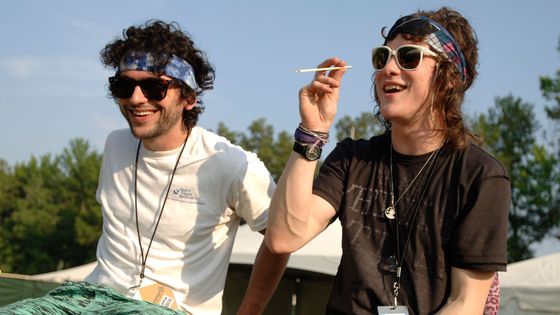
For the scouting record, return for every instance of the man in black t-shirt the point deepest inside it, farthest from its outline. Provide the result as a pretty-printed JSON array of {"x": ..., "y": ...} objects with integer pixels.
[{"x": 423, "y": 208}]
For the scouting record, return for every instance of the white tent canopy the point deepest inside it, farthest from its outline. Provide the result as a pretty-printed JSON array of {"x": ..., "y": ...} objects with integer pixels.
[
  {"x": 531, "y": 287},
  {"x": 321, "y": 255},
  {"x": 78, "y": 273}
]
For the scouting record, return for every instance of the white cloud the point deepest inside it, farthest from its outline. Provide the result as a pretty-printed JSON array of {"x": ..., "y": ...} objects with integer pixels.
[
  {"x": 59, "y": 76},
  {"x": 19, "y": 67},
  {"x": 68, "y": 67}
]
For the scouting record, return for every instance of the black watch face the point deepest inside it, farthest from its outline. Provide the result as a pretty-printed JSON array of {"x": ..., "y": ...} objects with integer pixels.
[{"x": 312, "y": 152}]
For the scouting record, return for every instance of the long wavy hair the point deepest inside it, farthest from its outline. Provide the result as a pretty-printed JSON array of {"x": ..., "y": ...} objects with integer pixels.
[{"x": 447, "y": 92}]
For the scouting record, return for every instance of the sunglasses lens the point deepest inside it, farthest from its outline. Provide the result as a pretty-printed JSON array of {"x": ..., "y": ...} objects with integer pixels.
[
  {"x": 121, "y": 87},
  {"x": 409, "y": 57},
  {"x": 153, "y": 89},
  {"x": 380, "y": 57}
]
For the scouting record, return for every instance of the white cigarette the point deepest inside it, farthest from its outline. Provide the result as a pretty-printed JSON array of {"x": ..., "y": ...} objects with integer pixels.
[{"x": 323, "y": 69}]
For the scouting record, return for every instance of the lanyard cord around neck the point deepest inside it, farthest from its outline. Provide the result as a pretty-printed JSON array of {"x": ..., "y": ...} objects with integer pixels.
[
  {"x": 145, "y": 258},
  {"x": 400, "y": 256},
  {"x": 391, "y": 211}
]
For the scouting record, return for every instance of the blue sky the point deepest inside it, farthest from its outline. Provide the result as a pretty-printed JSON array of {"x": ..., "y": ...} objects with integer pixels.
[{"x": 53, "y": 87}]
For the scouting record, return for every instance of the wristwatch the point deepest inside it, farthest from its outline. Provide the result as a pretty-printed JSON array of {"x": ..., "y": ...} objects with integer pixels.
[{"x": 309, "y": 151}]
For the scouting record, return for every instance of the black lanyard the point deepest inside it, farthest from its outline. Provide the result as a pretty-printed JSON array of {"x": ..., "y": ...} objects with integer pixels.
[
  {"x": 145, "y": 258},
  {"x": 399, "y": 257}
]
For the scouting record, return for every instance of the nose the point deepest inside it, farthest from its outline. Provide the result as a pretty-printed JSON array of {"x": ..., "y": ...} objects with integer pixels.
[
  {"x": 391, "y": 67},
  {"x": 137, "y": 96}
]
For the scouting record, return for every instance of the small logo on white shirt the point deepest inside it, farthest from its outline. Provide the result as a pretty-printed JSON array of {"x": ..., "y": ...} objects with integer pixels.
[{"x": 185, "y": 195}]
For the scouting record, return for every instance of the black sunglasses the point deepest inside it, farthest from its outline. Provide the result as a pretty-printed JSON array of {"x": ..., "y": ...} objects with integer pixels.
[
  {"x": 409, "y": 57},
  {"x": 153, "y": 88}
]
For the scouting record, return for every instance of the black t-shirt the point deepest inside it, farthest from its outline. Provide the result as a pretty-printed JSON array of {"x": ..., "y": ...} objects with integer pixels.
[{"x": 461, "y": 220}]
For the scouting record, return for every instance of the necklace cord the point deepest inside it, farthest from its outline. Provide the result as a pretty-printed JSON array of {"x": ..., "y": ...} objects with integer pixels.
[
  {"x": 394, "y": 203},
  {"x": 415, "y": 213},
  {"x": 399, "y": 258},
  {"x": 145, "y": 258}
]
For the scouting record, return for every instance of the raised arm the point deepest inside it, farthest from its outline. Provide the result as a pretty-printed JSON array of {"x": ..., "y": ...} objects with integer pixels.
[{"x": 296, "y": 215}]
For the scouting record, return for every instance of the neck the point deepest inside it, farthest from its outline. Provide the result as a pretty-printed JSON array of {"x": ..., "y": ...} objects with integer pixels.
[
  {"x": 419, "y": 136},
  {"x": 166, "y": 142},
  {"x": 415, "y": 142}
]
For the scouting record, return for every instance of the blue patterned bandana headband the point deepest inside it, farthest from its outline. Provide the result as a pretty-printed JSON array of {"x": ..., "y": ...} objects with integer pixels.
[
  {"x": 176, "y": 67},
  {"x": 436, "y": 36}
]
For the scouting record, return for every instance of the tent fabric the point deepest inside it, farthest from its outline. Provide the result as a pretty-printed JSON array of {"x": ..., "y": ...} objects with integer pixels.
[
  {"x": 306, "y": 284},
  {"x": 13, "y": 289},
  {"x": 531, "y": 286},
  {"x": 78, "y": 273},
  {"x": 321, "y": 255}
]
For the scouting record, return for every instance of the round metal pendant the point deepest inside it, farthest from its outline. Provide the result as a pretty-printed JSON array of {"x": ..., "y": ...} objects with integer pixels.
[{"x": 390, "y": 213}]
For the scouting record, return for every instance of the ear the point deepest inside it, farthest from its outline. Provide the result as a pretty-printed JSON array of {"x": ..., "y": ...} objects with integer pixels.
[{"x": 189, "y": 102}]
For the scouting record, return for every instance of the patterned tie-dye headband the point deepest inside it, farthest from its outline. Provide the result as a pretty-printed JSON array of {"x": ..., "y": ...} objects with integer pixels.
[
  {"x": 176, "y": 67},
  {"x": 435, "y": 35}
]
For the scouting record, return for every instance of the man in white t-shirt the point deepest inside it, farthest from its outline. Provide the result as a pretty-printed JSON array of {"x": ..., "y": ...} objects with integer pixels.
[{"x": 172, "y": 194}]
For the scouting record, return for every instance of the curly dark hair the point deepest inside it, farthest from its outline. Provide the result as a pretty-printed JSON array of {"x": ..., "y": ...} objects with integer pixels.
[
  {"x": 448, "y": 90},
  {"x": 165, "y": 39}
]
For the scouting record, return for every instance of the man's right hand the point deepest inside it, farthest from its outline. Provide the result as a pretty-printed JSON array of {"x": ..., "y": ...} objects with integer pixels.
[{"x": 318, "y": 100}]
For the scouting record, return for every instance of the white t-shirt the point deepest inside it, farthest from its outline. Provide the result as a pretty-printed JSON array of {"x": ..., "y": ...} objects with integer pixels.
[{"x": 215, "y": 185}]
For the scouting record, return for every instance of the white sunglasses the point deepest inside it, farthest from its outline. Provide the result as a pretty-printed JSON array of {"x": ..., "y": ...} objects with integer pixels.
[{"x": 408, "y": 57}]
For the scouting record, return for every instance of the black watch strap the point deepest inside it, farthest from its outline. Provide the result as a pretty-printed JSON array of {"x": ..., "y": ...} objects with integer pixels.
[{"x": 311, "y": 152}]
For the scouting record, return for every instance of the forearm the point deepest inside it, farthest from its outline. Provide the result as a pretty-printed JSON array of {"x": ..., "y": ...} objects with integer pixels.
[
  {"x": 290, "y": 221},
  {"x": 296, "y": 215},
  {"x": 459, "y": 307},
  {"x": 469, "y": 290},
  {"x": 265, "y": 276}
]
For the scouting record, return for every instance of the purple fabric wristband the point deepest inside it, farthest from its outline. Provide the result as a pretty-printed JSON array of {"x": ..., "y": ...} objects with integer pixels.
[{"x": 307, "y": 138}]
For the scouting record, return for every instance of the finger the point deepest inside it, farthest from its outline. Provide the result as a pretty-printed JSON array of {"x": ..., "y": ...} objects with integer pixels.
[
  {"x": 326, "y": 64},
  {"x": 338, "y": 73},
  {"x": 319, "y": 87},
  {"x": 329, "y": 80}
]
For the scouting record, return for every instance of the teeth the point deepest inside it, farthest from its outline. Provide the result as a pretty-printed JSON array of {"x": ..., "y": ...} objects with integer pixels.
[
  {"x": 393, "y": 88},
  {"x": 143, "y": 113}
]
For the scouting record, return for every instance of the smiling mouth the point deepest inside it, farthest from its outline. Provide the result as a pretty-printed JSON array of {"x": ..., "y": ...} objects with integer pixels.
[
  {"x": 393, "y": 88},
  {"x": 141, "y": 113}
]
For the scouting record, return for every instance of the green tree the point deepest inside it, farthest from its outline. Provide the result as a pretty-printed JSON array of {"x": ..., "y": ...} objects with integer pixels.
[
  {"x": 550, "y": 88},
  {"x": 82, "y": 219},
  {"x": 509, "y": 131},
  {"x": 32, "y": 225},
  {"x": 273, "y": 150},
  {"x": 224, "y": 131},
  {"x": 364, "y": 126},
  {"x": 8, "y": 197},
  {"x": 51, "y": 220}
]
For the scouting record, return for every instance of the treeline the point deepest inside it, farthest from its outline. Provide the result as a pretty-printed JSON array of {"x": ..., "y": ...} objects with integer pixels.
[{"x": 50, "y": 220}]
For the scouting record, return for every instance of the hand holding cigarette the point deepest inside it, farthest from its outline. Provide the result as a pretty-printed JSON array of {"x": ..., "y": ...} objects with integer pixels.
[{"x": 323, "y": 69}]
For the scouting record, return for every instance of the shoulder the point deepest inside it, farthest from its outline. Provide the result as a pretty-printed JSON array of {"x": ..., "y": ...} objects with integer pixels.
[
  {"x": 119, "y": 140},
  {"x": 214, "y": 144},
  {"x": 120, "y": 136},
  {"x": 119, "y": 152},
  {"x": 228, "y": 156},
  {"x": 482, "y": 162},
  {"x": 362, "y": 148}
]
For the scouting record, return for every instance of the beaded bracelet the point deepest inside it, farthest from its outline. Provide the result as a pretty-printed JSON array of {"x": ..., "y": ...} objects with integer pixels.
[
  {"x": 318, "y": 133},
  {"x": 306, "y": 136}
]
